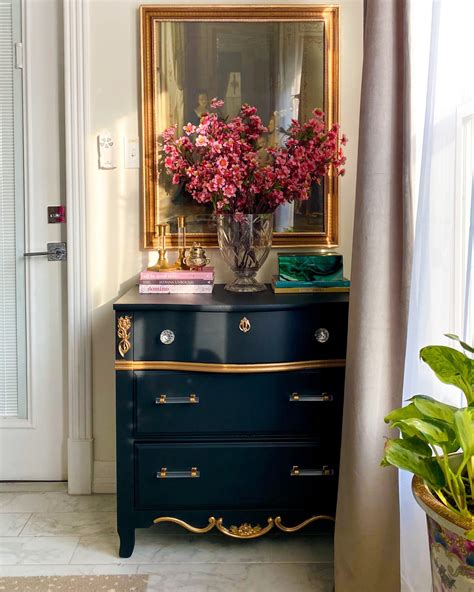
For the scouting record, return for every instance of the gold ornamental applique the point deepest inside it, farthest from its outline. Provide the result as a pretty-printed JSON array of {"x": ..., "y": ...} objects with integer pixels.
[
  {"x": 244, "y": 325},
  {"x": 124, "y": 324}
]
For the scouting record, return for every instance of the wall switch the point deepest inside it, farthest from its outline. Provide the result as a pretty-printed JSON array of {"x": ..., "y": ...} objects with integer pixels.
[
  {"x": 131, "y": 151},
  {"x": 106, "y": 148}
]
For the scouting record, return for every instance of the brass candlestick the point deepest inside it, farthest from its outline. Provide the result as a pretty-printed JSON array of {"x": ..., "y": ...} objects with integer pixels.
[
  {"x": 162, "y": 263},
  {"x": 181, "y": 261}
]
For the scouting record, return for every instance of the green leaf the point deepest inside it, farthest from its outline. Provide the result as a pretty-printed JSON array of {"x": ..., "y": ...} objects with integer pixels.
[
  {"x": 419, "y": 446},
  {"x": 429, "y": 407},
  {"x": 463, "y": 344},
  {"x": 451, "y": 367},
  {"x": 469, "y": 535},
  {"x": 436, "y": 433},
  {"x": 464, "y": 426},
  {"x": 427, "y": 430},
  {"x": 401, "y": 454},
  {"x": 403, "y": 413}
]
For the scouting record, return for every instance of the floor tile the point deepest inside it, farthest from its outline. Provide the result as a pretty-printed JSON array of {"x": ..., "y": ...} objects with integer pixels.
[
  {"x": 20, "y": 486},
  {"x": 56, "y": 501},
  {"x": 36, "y": 550},
  {"x": 170, "y": 549},
  {"x": 12, "y": 524},
  {"x": 240, "y": 578},
  {"x": 70, "y": 524},
  {"x": 65, "y": 570}
]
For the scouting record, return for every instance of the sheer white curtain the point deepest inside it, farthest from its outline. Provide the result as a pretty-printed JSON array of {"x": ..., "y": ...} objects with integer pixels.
[{"x": 441, "y": 300}]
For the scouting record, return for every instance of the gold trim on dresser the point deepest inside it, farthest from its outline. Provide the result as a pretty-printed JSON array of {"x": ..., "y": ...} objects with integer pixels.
[
  {"x": 279, "y": 525},
  {"x": 124, "y": 324},
  {"x": 229, "y": 368},
  {"x": 194, "y": 529},
  {"x": 245, "y": 530}
]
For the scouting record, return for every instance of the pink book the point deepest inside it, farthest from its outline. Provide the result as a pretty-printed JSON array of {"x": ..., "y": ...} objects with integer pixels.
[
  {"x": 205, "y": 274},
  {"x": 175, "y": 289}
]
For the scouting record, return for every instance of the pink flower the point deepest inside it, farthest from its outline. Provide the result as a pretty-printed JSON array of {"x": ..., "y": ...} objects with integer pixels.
[
  {"x": 201, "y": 140},
  {"x": 176, "y": 179},
  {"x": 219, "y": 181},
  {"x": 222, "y": 162},
  {"x": 229, "y": 190},
  {"x": 169, "y": 133},
  {"x": 239, "y": 217},
  {"x": 189, "y": 128},
  {"x": 216, "y": 103},
  {"x": 169, "y": 162}
]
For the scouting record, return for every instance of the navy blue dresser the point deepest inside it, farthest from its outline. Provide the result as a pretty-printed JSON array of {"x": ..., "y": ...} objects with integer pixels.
[{"x": 229, "y": 410}]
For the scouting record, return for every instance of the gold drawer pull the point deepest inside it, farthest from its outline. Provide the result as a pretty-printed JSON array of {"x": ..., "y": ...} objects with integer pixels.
[
  {"x": 296, "y": 397},
  {"x": 324, "y": 472},
  {"x": 165, "y": 400},
  {"x": 165, "y": 474}
]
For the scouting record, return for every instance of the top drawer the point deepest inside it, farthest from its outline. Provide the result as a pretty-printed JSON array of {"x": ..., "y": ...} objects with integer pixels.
[{"x": 253, "y": 337}]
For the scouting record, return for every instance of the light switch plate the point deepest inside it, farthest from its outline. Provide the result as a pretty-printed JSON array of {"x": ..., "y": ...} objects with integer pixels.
[
  {"x": 106, "y": 148},
  {"x": 131, "y": 151}
]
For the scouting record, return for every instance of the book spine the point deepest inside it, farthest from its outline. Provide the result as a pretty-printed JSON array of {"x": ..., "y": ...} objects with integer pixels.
[
  {"x": 180, "y": 282},
  {"x": 309, "y": 290},
  {"x": 177, "y": 275},
  {"x": 316, "y": 284},
  {"x": 175, "y": 289}
]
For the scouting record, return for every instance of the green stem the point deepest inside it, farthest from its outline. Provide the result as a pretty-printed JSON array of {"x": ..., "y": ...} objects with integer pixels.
[
  {"x": 448, "y": 474},
  {"x": 444, "y": 500}
]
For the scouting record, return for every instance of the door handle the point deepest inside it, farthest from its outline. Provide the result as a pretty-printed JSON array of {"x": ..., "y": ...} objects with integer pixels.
[{"x": 55, "y": 252}]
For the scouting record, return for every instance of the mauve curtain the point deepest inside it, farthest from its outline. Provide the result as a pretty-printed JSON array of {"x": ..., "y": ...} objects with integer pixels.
[{"x": 367, "y": 557}]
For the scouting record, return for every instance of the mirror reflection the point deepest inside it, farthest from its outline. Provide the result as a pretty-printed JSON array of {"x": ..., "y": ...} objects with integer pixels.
[{"x": 276, "y": 66}]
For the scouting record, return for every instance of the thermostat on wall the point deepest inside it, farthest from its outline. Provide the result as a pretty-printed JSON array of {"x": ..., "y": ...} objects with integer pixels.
[{"x": 106, "y": 148}]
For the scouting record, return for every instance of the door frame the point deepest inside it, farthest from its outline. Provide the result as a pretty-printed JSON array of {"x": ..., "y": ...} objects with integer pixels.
[{"x": 79, "y": 326}]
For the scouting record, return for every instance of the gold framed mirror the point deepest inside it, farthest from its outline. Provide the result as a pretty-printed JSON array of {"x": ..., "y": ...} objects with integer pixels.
[{"x": 282, "y": 59}]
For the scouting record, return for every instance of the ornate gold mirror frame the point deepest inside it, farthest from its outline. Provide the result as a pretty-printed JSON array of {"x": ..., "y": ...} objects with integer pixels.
[{"x": 155, "y": 30}]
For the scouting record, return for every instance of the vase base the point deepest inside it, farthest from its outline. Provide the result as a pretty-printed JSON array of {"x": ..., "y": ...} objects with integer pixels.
[{"x": 245, "y": 284}]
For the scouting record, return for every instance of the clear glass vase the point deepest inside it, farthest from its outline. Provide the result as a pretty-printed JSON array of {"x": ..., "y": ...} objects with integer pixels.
[{"x": 245, "y": 241}]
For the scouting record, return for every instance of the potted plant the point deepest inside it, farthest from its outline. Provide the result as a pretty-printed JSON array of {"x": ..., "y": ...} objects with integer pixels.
[
  {"x": 232, "y": 164},
  {"x": 436, "y": 444}
]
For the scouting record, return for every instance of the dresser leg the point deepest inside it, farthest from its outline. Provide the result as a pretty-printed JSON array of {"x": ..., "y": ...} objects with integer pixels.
[{"x": 127, "y": 541}]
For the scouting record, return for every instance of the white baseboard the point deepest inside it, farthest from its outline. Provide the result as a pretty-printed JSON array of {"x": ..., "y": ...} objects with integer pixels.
[
  {"x": 79, "y": 466},
  {"x": 104, "y": 477}
]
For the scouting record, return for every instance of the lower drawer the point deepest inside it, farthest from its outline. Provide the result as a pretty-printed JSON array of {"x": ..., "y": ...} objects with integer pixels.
[
  {"x": 235, "y": 475},
  {"x": 179, "y": 403}
]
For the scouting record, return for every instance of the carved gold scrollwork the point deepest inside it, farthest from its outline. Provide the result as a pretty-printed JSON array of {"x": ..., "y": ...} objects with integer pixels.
[
  {"x": 279, "y": 525},
  {"x": 245, "y": 530},
  {"x": 124, "y": 324},
  {"x": 212, "y": 522}
]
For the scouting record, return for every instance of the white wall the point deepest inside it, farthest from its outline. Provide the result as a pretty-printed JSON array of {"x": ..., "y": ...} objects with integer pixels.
[{"x": 114, "y": 211}]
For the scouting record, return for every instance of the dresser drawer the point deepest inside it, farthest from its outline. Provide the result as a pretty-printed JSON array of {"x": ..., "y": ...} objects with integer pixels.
[
  {"x": 241, "y": 338},
  {"x": 178, "y": 403},
  {"x": 237, "y": 475}
]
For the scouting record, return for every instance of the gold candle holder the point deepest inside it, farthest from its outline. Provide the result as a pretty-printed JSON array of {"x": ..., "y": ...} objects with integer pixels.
[
  {"x": 162, "y": 263},
  {"x": 181, "y": 261}
]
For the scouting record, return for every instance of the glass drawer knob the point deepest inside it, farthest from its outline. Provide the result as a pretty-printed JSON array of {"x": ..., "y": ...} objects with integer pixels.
[
  {"x": 321, "y": 335},
  {"x": 167, "y": 337}
]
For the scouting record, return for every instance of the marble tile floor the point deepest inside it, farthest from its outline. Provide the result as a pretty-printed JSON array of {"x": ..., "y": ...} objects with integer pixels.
[{"x": 45, "y": 531}]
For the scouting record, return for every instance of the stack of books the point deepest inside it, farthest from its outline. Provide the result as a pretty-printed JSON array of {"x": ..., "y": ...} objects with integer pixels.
[
  {"x": 177, "y": 282},
  {"x": 309, "y": 272}
]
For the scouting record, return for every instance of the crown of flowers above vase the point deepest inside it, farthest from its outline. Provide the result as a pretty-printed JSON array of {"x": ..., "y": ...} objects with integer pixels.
[{"x": 225, "y": 161}]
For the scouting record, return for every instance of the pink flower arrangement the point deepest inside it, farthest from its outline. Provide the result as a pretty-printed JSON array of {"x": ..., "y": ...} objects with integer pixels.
[{"x": 220, "y": 160}]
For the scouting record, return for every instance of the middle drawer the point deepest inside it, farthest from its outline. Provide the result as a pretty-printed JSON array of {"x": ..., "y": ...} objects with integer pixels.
[{"x": 176, "y": 404}]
